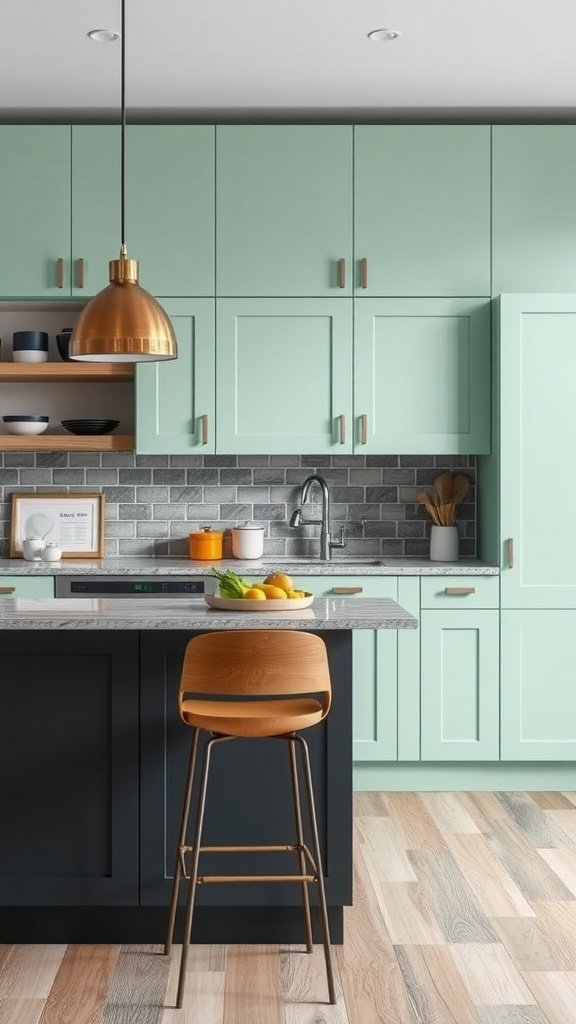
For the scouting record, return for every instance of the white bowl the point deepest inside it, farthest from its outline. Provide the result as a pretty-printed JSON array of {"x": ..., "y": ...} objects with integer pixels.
[
  {"x": 28, "y": 355},
  {"x": 25, "y": 424}
]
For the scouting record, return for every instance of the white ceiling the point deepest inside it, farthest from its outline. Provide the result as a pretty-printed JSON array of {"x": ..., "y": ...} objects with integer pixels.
[{"x": 290, "y": 59}]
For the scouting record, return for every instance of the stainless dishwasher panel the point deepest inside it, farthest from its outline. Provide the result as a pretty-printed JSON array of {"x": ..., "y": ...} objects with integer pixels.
[{"x": 140, "y": 586}]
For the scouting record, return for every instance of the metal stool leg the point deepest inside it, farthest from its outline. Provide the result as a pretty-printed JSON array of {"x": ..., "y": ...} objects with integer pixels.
[
  {"x": 179, "y": 864},
  {"x": 319, "y": 872},
  {"x": 300, "y": 842},
  {"x": 194, "y": 868}
]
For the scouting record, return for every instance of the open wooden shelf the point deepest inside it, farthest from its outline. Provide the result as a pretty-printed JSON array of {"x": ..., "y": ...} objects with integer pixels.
[
  {"x": 79, "y": 372},
  {"x": 67, "y": 443}
]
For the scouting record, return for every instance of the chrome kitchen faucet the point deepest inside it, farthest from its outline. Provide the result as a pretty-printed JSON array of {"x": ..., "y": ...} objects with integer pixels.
[{"x": 298, "y": 519}]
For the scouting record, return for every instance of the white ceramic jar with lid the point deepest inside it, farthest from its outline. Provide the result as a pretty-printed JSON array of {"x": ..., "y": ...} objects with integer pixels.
[{"x": 248, "y": 541}]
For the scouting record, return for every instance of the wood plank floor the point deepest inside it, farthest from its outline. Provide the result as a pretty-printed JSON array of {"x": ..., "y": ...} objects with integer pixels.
[{"x": 465, "y": 913}]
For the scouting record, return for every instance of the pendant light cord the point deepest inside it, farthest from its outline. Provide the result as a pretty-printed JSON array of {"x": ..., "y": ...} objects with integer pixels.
[{"x": 123, "y": 129}]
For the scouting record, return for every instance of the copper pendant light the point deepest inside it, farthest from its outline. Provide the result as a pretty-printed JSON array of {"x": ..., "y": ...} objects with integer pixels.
[{"x": 123, "y": 323}]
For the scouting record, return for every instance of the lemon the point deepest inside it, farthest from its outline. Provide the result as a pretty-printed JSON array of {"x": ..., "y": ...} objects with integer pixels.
[
  {"x": 280, "y": 579},
  {"x": 271, "y": 592},
  {"x": 253, "y": 594}
]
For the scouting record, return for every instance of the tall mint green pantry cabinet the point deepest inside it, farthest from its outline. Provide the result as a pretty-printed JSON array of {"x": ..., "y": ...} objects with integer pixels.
[
  {"x": 60, "y": 208},
  {"x": 537, "y": 352},
  {"x": 533, "y": 208}
]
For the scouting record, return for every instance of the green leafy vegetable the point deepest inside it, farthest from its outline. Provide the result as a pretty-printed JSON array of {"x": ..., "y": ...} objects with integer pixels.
[{"x": 230, "y": 585}]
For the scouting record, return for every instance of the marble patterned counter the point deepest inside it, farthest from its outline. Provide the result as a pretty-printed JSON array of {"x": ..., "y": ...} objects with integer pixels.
[
  {"x": 304, "y": 566},
  {"x": 193, "y": 614}
]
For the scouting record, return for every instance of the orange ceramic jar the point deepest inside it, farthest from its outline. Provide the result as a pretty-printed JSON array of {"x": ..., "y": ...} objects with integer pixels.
[{"x": 205, "y": 544}]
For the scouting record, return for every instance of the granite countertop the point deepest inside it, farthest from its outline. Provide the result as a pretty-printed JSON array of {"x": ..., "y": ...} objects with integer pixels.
[
  {"x": 194, "y": 614},
  {"x": 257, "y": 567}
]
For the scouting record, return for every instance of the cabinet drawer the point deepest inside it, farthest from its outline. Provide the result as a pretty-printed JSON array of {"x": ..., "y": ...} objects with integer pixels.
[
  {"x": 25, "y": 586},
  {"x": 459, "y": 591},
  {"x": 350, "y": 586}
]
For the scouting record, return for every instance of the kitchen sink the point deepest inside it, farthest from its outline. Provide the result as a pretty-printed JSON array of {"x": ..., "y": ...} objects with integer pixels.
[{"x": 334, "y": 562}]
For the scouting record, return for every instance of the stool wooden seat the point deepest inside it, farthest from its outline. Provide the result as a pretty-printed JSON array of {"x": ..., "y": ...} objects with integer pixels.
[{"x": 255, "y": 684}]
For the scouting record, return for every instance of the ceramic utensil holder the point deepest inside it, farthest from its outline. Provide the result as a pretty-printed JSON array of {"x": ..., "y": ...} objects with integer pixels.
[{"x": 444, "y": 544}]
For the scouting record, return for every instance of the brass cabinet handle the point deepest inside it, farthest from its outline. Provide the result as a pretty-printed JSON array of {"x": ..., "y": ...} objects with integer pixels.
[
  {"x": 511, "y": 553},
  {"x": 342, "y": 429},
  {"x": 81, "y": 272},
  {"x": 460, "y": 590},
  {"x": 364, "y": 272},
  {"x": 7, "y": 590},
  {"x": 60, "y": 272},
  {"x": 204, "y": 429},
  {"x": 342, "y": 273},
  {"x": 347, "y": 590},
  {"x": 364, "y": 429}
]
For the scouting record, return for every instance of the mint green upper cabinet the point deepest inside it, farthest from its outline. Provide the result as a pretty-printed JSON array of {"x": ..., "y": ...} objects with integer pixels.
[
  {"x": 169, "y": 206},
  {"x": 175, "y": 399},
  {"x": 537, "y": 429},
  {"x": 534, "y": 208},
  {"x": 422, "y": 376},
  {"x": 422, "y": 209},
  {"x": 283, "y": 376},
  {"x": 95, "y": 208},
  {"x": 284, "y": 210},
  {"x": 34, "y": 208}
]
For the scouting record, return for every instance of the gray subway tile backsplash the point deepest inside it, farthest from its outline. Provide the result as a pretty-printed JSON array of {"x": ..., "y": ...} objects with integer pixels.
[{"x": 154, "y": 502}]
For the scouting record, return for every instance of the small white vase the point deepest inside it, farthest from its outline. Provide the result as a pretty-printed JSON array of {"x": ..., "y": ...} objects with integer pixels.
[{"x": 444, "y": 544}]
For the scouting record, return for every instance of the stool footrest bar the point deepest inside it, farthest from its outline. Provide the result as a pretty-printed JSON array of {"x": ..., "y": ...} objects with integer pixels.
[{"x": 255, "y": 878}]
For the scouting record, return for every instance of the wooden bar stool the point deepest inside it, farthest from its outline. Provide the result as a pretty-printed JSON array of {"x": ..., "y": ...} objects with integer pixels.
[{"x": 260, "y": 682}]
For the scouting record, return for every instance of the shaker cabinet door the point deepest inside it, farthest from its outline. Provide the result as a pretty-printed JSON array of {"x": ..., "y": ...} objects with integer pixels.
[
  {"x": 175, "y": 399},
  {"x": 534, "y": 208},
  {"x": 283, "y": 374},
  {"x": 421, "y": 210},
  {"x": 34, "y": 211},
  {"x": 421, "y": 376},
  {"x": 284, "y": 210}
]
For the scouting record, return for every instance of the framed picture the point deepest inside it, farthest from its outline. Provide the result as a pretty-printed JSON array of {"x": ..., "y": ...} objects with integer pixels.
[{"x": 75, "y": 522}]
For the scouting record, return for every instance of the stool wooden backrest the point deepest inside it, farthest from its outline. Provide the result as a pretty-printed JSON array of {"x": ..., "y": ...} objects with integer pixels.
[{"x": 256, "y": 663}]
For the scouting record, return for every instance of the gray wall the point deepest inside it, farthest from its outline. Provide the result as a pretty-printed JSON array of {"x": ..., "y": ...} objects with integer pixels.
[{"x": 154, "y": 502}]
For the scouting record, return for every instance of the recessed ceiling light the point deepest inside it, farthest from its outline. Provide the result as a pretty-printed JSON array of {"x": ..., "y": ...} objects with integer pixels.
[
  {"x": 103, "y": 35},
  {"x": 383, "y": 35}
]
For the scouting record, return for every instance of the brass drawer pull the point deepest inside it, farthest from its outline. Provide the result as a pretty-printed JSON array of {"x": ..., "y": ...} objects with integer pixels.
[
  {"x": 60, "y": 272},
  {"x": 364, "y": 429},
  {"x": 511, "y": 553},
  {"x": 342, "y": 273},
  {"x": 204, "y": 429},
  {"x": 81, "y": 268},
  {"x": 347, "y": 590},
  {"x": 342, "y": 429},
  {"x": 460, "y": 590},
  {"x": 7, "y": 590},
  {"x": 364, "y": 272}
]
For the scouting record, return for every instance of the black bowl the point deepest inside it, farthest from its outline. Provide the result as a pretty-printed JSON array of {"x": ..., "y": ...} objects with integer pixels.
[
  {"x": 90, "y": 426},
  {"x": 63, "y": 343}
]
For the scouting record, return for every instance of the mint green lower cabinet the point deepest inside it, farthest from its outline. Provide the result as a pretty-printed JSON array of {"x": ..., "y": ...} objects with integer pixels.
[
  {"x": 375, "y": 668},
  {"x": 283, "y": 371},
  {"x": 422, "y": 376},
  {"x": 25, "y": 586},
  {"x": 175, "y": 399},
  {"x": 538, "y": 688},
  {"x": 459, "y": 685}
]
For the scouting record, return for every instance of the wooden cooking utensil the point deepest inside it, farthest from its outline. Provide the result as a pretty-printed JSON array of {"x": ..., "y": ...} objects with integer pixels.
[
  {"x": 461, "y": 487},
  {"x": 443, "y": 485}
]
